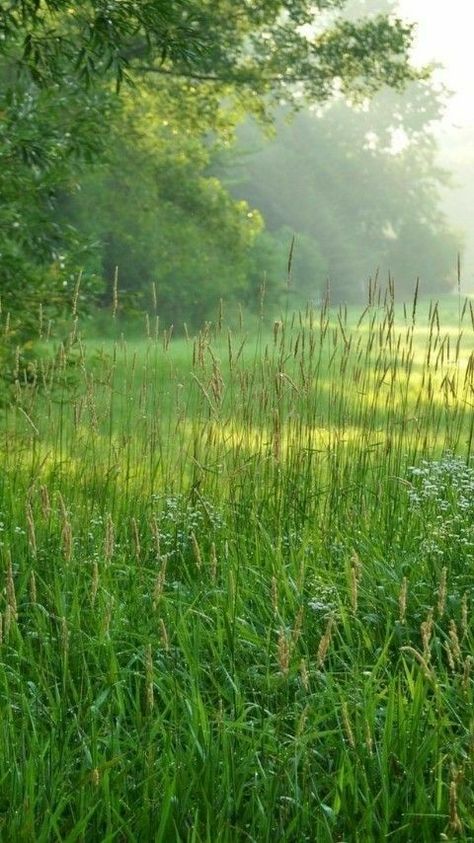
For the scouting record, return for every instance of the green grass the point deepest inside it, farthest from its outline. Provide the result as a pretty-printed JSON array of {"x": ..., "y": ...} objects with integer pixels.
[{"x": 231, "y": 610}]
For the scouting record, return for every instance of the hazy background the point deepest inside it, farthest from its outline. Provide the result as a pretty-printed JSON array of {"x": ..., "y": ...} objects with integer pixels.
[
  {"x": 380, "y": 187},
  {"x": 444, "y": 36}
]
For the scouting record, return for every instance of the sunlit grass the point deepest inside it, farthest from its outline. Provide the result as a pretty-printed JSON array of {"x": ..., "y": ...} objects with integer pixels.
[{"x": 231, "y": 609}]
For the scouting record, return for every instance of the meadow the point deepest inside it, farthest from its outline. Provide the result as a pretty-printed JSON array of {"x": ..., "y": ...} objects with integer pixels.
[{"x": 237, "y": 580}]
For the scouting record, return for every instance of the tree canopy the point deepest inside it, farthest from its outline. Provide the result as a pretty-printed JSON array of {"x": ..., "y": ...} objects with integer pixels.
[
  {"x": 263, "y": 46},
  {"x": 74, "y": 82}
]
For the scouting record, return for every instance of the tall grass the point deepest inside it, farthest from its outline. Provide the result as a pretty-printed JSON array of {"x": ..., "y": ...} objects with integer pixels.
[{"x": 237, "y": 582}]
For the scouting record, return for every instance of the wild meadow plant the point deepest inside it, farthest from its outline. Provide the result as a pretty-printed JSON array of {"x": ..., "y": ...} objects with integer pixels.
[
  {"x": 236, "y": 599},
  {"x": 442, "y": 493}
]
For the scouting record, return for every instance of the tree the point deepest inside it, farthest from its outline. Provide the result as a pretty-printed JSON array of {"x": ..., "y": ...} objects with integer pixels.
[
  {"x": 264, "y": 46},
  {"x": 161, "y": 218},
  {"x": 59, "y": 61},
  {"x": 45, "y": 143},
  {"x": 363, "y": 183}
]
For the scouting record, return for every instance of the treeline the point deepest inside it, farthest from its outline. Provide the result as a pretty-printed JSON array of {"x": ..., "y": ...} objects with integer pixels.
[
  {"x": 129, "y": 149},
  {"x": 360, "y": 189}
]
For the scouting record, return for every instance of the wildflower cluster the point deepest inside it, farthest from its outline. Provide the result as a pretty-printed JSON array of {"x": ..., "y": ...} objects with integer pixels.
[
  {"x": 179, "y": 519},
  {"x": 442, "y": 495}
]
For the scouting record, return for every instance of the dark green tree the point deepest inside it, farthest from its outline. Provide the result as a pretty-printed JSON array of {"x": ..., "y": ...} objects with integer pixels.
[{"x": 161, "y": 219}]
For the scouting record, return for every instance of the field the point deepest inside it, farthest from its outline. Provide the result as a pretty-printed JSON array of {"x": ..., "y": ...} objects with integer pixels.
[{"x": 237, "y": 581}]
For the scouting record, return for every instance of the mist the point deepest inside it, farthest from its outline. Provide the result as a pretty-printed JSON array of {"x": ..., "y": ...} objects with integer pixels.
[
  {"x": 444, "y": 41},
  {"x": 457, "y": 155},
  {"x": 361, "y": 190},
  {"x": 379, "y": 189}
]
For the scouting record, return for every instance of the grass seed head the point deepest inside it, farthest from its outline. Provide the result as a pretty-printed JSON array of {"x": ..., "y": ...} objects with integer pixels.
[
  {"x": 347, "y": 725},
  {"x": 94, "y": 582},
  {"x": 421, "y": 661},
  {"x": 283, "y": 652},
  {"x": 155, "y": 531},
  {"x": 66, "y": 530},
  {"x": 10, "y": 589},
  {"x": 356, "y": 564},
  {"x": 426, "y": 629},
  {"x": 369, "y": 741},
  {"x": 274, "y": 595},
  {"x": 213, "y": 562},
  {"x": 196, "y": 551},
  {"x": 454, "y": 641},
  {"x": 442, "y": 592},
  {"x": 402, "y": 600},
  {"x": 467, "y": 673},
  {"x": 354, "y": 590},
  {"x": 355, "y": 577},
  {"x": 450, "y": 657},
  {"x": 304, "y": 673},
  {"x": 32, "y": 587},
  {"x": 7, "y": 621},
  {"x": 455, "y": 824},
  {"x": 164, "y": 636},
  {"x": 149, "y": 672},
  {"x": 115, "y": 301},
  {"x": 109, "y": 541},
  {"x": 298, "y": 625},
  {"x": 136, "y": 539},
  {"x": 464, "y": 614},
  {"x": 324, "y": 644},
  {"x": 30, "y": 524},
  {"x": 302, "y": 721},
  {"x": 217, "y": 383}
]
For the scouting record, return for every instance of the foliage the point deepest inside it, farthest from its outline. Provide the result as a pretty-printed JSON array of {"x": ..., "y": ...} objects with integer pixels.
[
  {"x": 47, "y": 137},
  {"x": 161, "y": 219},
  {"x": 59, "y": 65},
  {"x": 362, "y": 183},
  {"x": 264, "y": 47},
  {"x": 292, "y": 269}
]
